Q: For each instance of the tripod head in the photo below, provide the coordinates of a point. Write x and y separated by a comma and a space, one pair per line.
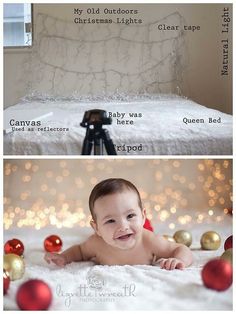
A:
95, 117
97, 136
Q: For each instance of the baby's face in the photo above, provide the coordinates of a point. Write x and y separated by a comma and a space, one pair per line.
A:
119, 219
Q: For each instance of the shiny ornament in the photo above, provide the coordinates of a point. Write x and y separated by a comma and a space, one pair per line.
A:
15, 266
210, 240
147, 225
14, 246
228, 255
217, 274
53, 243
228, 243
169, 238
6, 281
183, 236
34, 295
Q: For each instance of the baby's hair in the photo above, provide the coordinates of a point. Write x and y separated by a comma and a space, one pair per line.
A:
111, 186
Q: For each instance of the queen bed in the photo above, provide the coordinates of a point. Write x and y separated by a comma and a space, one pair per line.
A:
148, 124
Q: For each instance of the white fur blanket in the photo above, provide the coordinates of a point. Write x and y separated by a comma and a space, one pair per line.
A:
85, 286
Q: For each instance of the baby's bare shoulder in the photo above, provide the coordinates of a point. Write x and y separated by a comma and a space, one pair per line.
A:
93, 237
94, 241
91, 247
150, 238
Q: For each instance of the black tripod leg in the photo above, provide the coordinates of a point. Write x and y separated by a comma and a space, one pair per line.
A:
98, 145
98, 149
88, 143
110, 148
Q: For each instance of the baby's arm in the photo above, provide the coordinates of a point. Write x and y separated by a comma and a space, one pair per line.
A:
76, 253
171, 255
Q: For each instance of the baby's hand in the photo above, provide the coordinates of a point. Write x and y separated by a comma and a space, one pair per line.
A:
58, 259
171, 263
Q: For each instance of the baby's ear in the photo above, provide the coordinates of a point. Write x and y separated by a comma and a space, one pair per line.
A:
144, 214
94, 226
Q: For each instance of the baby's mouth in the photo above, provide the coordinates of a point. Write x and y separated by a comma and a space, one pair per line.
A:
125, 237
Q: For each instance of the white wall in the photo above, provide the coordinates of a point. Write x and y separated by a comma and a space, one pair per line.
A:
15, 82
201, 76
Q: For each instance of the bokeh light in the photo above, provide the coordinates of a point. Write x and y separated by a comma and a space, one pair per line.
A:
38, 193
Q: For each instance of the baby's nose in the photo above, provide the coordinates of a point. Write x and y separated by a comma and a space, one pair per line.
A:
123, 225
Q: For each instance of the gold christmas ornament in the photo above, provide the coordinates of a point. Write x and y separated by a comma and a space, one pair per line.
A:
210, 240
168, 237
183, 237
15, 266
228, 255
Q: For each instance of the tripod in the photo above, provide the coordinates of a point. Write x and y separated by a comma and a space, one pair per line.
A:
100, 138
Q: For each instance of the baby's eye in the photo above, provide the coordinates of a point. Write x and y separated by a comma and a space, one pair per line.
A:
110, 221
130, 216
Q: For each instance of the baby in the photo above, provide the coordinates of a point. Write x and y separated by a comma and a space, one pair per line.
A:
120, 239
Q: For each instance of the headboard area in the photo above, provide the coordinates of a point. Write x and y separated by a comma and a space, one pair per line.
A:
106, 58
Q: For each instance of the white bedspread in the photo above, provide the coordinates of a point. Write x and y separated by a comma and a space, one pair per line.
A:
85, 286
159, 128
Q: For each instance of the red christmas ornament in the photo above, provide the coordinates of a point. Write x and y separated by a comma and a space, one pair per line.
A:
217, 274
6, 281
147, 225
53, 243
228, 243
34, 295
14, 246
